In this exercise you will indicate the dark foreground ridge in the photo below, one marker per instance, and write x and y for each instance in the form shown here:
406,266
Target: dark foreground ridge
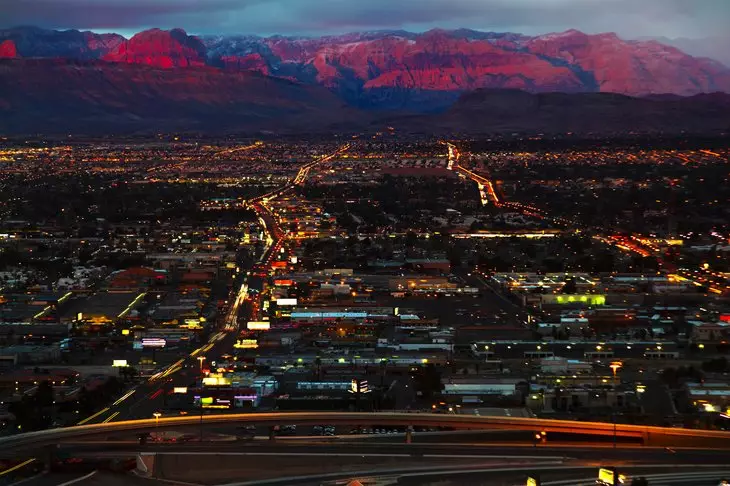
92,97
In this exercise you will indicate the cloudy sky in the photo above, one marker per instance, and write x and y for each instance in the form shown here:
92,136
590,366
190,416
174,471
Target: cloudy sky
629,18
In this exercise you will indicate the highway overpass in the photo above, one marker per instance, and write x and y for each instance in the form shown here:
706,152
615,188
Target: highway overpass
649,436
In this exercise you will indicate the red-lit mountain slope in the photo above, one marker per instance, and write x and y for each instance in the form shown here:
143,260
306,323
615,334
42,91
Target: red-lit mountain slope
60,96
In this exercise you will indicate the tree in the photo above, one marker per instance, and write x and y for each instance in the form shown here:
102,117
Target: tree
570,287
428,381
318,367
411,239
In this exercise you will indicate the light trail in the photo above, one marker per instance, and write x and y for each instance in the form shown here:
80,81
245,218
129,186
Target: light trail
482,182
124,397
92,417
110,418
16,467
239,149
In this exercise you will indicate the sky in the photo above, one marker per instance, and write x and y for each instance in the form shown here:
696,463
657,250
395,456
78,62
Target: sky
628,18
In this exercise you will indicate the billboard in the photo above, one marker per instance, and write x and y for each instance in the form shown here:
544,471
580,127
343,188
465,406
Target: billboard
586,299
246,344
153,342
258,325
284,302
607,476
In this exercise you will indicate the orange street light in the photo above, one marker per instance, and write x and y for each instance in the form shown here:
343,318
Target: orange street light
615,367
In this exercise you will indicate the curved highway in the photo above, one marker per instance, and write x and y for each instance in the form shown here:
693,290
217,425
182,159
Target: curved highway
659,436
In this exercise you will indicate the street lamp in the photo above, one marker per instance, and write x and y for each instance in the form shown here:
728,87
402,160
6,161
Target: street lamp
615,366
201,359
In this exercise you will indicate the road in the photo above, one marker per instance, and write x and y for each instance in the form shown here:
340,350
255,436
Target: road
486,187
274,233
467,464
716,282
88,478
152,396
476,449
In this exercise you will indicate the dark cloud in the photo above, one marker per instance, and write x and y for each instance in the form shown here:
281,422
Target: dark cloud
630,18
109,14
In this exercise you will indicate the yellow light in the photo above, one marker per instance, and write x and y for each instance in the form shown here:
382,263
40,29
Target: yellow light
605,475
709,407
125,332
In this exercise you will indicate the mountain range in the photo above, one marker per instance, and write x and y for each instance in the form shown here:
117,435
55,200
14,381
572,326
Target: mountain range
50,77
717,47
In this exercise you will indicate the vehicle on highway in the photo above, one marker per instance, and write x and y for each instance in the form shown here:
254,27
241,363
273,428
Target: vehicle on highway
288,430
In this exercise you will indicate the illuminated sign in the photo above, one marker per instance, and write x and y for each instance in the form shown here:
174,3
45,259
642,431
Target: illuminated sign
608,476
283,302
246,344
216,380
329,315
119,363
125,332
180,389
153,342
258,326
283,283
293,259
359,386
590,299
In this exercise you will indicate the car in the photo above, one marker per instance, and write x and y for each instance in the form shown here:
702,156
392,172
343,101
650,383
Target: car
288,430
